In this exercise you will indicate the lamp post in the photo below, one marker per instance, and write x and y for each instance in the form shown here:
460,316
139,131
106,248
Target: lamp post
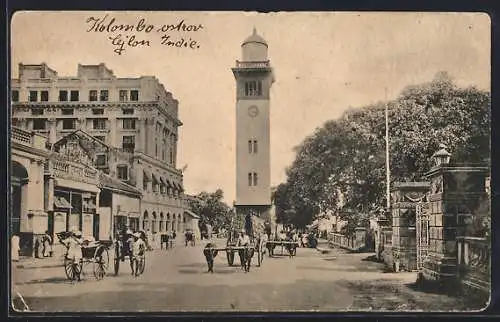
441,157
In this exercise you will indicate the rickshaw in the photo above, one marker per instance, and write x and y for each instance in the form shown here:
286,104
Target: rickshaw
93,252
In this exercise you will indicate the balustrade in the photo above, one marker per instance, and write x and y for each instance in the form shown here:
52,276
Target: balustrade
253,64
474,254
21,136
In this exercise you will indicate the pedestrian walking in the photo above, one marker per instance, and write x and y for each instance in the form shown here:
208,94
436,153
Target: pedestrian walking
138,249
47,245
14,247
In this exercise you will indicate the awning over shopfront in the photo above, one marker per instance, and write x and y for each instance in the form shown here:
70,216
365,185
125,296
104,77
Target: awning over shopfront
62,203
116,185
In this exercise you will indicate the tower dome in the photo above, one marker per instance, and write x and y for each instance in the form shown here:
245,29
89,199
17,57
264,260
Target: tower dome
254,38
254,48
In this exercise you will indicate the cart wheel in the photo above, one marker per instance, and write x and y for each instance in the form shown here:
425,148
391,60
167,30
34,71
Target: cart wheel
117,260
101,262
260,254
230,257
69,268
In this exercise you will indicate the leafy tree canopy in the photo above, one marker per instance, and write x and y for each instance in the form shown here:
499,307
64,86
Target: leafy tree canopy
342,164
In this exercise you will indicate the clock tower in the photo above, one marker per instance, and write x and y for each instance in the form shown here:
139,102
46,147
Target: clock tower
254,77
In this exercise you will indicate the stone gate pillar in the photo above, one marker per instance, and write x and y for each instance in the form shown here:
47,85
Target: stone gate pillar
454,195
405,196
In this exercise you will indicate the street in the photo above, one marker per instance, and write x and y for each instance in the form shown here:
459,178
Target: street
176,280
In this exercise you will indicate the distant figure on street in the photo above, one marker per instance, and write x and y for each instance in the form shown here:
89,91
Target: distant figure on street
138,249
210,253
14,247
243,239
47,245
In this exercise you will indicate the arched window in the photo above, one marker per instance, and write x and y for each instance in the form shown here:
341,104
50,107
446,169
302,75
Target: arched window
154,223
145,220
162,222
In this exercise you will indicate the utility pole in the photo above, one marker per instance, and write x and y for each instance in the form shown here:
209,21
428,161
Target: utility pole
387,169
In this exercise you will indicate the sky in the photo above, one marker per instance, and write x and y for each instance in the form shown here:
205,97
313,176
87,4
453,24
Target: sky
324,63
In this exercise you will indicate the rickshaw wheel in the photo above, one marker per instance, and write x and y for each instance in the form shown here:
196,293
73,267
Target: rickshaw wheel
69,269
260,254
141,264
101,262
117,261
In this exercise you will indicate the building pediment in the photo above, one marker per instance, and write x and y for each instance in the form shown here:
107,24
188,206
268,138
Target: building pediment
80,147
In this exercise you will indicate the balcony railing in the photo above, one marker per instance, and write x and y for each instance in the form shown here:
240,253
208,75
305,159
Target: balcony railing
252,64
28,138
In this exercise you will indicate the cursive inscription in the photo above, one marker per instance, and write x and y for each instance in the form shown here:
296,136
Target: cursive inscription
142,34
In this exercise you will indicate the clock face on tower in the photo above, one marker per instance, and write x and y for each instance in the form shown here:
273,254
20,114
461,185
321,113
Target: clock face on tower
253,111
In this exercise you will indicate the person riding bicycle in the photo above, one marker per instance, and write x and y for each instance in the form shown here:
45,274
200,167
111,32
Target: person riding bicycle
138,250
74,250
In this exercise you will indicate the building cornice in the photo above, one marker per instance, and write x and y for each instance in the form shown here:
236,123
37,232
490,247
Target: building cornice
144,157
29,149
99,104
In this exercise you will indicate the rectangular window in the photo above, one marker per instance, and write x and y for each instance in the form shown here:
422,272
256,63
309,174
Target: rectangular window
128,111
123,95
101,138
144,183
249,179
128,143
134,95
104,95
67,111
253,88
68,124
98,111
44,96
74,96
33,96
39,124
250,149
255,147
129,124
14,96
101,160
255,179
63,96
37,111
92,95
99,124
122,172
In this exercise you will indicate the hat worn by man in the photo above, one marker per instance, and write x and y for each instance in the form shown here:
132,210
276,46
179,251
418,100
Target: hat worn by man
77,233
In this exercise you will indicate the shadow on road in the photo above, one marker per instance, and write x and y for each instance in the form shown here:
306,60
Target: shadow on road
51,280
204,271
38,267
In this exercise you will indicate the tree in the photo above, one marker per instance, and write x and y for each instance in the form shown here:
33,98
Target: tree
342,164
211,209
